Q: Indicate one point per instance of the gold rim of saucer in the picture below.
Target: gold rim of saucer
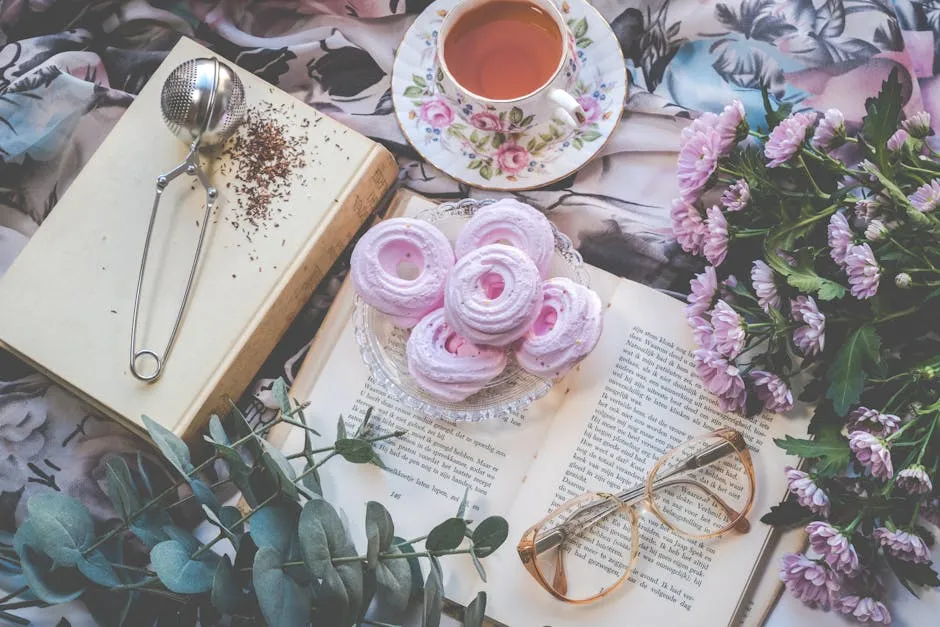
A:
(523, 188)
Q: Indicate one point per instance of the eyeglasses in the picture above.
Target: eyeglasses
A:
(588, 546)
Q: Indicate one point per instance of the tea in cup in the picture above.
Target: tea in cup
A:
(498, 59)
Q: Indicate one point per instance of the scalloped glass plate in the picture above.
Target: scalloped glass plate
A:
(382, 344)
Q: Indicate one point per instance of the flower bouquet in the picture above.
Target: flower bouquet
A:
(823, 245)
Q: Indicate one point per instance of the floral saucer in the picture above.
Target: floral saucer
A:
(506, 152)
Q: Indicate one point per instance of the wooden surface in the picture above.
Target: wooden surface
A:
(68, 297)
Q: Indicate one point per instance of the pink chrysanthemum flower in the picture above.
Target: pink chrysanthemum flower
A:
(721, 378)
(830, 134)
(731, 125)
(927, 197)
(736, 197)
(807, 493)
(762, 278)
(918, 125)
(706, 121)
(840, 238)
(716, 238)
(702, 291)
(902, 545)
(896, 141)
(808, 580)
(831, 545)
(787, 138)
(702, 332)
(863, 270)
(915, 480)
(872, 452)
(729, 330)
(772, 391)
(810, 339)
(864, 609)
(687, 226)
(873, 421)
(697, 161)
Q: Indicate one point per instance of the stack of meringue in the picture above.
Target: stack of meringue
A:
(471, 304)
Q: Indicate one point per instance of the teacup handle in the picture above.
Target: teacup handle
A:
(568, 108)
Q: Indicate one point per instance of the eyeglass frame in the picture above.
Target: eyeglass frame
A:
(626, 500)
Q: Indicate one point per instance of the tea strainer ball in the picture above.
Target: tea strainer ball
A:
(202, 103)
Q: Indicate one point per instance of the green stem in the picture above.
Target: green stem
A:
(235, 524)
(315, 466)
(852, 525)
(418, 539)
(897, 314)
(213, 486)
(903, 428)
(812, 181)
(923, 449)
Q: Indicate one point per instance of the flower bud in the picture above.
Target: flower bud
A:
(918, 125)
(875, 231)
(902, 280)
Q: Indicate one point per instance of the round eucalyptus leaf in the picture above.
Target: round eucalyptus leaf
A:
(281, 395)
(354, 450)
(178, 572)
(120, 485)
(433, 599)
(226, 592)
(98, 569)
(63, 526)
(172, 447)
(379, 531)
(283, 601)
(204, 494)
(473, 615)
(274, 525)
(332, 598)
(489, 535)
(148, 527)
(322, 537)
(52, 585)
(352, 576)
(229, 517)
(447, 535)
(417, 578)
(217, 431)
(393, 577)
(278, 465)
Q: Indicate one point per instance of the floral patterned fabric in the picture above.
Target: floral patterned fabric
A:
(69, 69)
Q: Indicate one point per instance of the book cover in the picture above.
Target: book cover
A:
(294, 186)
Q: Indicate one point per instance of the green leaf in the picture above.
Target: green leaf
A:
(433, 599)
(526, 121)
(217, 431)
(204, 494)
(857, 356)
(447, 535)
(413, 92)
(498, 139)
(516, 116)
(273, 526)
(462, 508)
(479, 566)
(341, 429)
(417, 579)
(584, 42)
(281, 396)
(332, 598)
(63, 526)
(232, 458)
(229, 516)
(774, 116)
(806, 280)
(173, 448)
(473, 615)
(146, 485)
(486, 172)
(226, 593)
(364, 425)
(489, 535)
(828, 447)
(351, 576)
(121, 490)
(911, 574)
(580, 28)
(99, 570)
(393, 577)
(178, 572)
(322, 537)
(379, 531)
(355, 450)
(418, 80)
(283, 601)
(883, 116)
(577, 143)
(311, 479)
(52, 585)
(789, 513)
(274, 460)
(474, 164)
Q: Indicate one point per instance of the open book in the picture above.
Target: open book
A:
(600, 428)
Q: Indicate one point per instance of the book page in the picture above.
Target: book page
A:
(636, 397)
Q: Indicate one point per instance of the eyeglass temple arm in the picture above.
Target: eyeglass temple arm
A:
(548, 540)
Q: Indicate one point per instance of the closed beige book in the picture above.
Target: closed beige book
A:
(66, 303)
(518, 468)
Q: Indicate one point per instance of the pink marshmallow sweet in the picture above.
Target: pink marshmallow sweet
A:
(447, 365)
(511, 222)
(567, 328)
(493, 295)
(386, 252)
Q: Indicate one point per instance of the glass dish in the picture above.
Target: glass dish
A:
(382, 344)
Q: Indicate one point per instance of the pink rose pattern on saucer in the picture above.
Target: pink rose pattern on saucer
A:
(507, 146)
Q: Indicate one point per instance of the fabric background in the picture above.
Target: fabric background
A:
(69, 69)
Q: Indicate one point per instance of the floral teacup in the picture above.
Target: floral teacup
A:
(551, 101)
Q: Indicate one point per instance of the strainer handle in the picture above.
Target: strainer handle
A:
(189, 166)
